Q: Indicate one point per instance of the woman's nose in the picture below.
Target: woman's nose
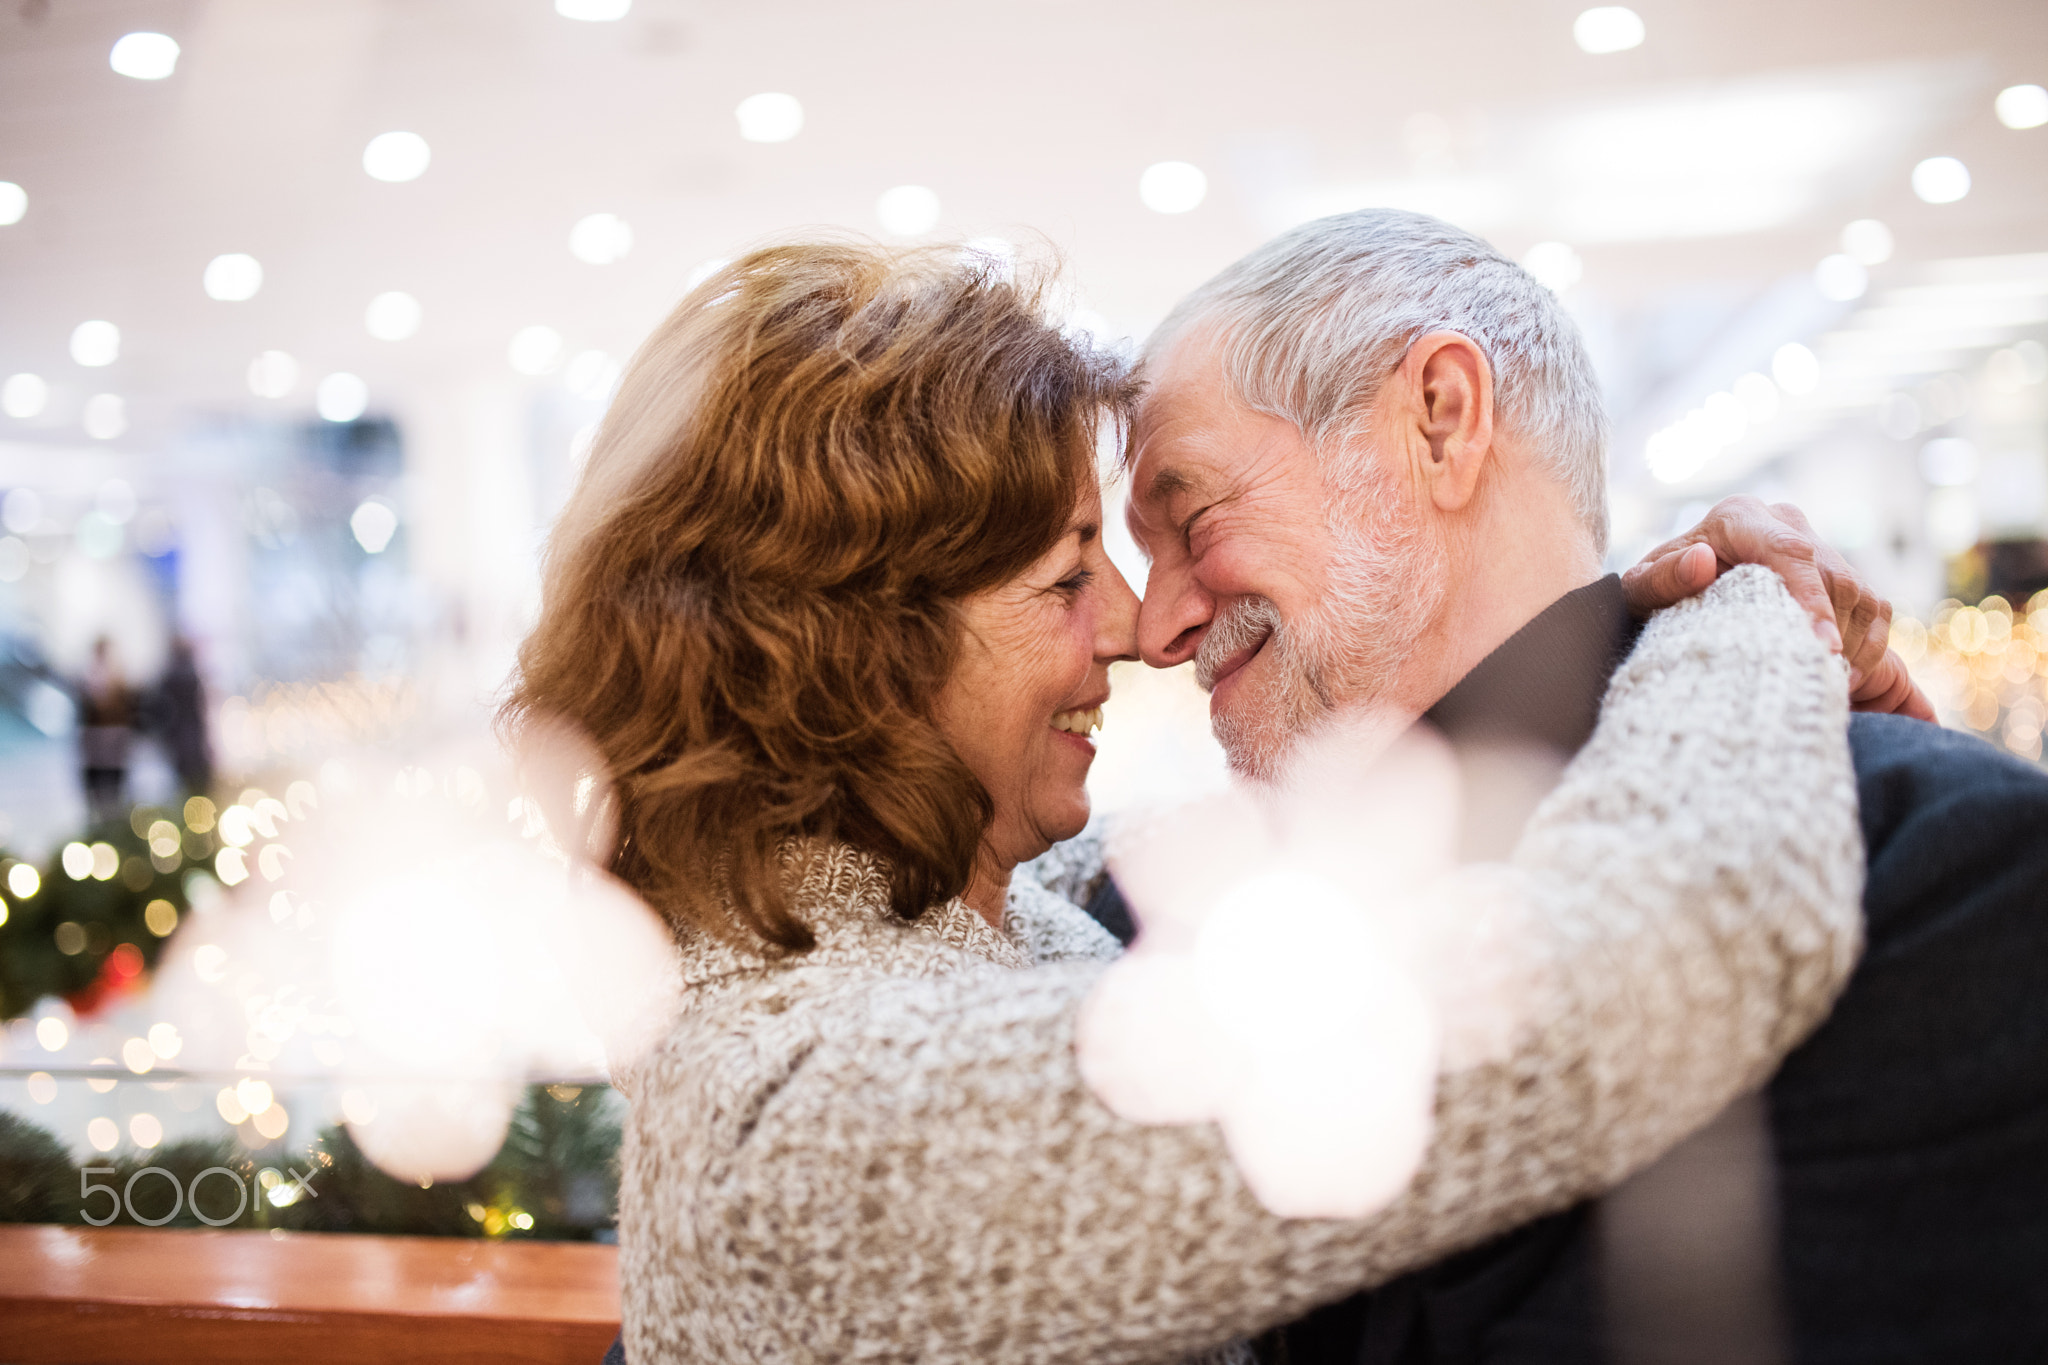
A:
(1116, 629)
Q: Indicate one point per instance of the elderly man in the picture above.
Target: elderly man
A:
(1370, 471)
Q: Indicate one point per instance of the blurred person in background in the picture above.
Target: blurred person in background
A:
(106, 733)
(179, 719)
(831, 604)
(1371, 467)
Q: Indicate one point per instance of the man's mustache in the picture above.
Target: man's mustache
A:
(1239, 626)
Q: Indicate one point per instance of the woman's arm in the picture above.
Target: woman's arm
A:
(841, 1166)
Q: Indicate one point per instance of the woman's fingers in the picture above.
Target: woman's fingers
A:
(1888, 688)
(1848, 615)
(1667, 576)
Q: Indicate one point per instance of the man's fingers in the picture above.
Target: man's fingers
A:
(1668, 578)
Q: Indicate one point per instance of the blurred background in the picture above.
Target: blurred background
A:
(307, 308)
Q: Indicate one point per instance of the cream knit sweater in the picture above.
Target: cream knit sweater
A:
(882, 1151)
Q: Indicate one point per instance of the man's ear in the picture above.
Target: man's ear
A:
(1449, 386)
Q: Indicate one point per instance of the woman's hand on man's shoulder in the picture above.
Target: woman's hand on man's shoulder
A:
(1848, 614)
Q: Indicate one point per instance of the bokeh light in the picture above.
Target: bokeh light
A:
(1796, 368)
(95, 343)
(1867, 242)
(600, 239)
(373, 523)
(1841, 278)
(1941, 180)
(770, 117)
(535, 350)
(1172, 186)
(392, 316)
(105, 416)
(103, 1133)
(1607, 29)
(397, 157)
(908, 210)
(341, 397)
(232, 278)
(1554, 264)
(144, 56)
(24, 395)
(2022, 106)
(13, 203)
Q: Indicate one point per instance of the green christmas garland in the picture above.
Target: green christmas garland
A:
(94, 930)
(555, 1179)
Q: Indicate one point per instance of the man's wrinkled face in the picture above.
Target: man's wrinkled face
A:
(1292, 598)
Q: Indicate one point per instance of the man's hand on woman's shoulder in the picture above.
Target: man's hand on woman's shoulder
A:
(1848, 615)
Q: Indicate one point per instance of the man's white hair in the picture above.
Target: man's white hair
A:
(1312, 323)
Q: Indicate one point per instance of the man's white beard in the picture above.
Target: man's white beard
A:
(1386, 580)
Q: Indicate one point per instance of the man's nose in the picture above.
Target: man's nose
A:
(1172, 617)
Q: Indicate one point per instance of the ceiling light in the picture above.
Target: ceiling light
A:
(105, 417)
(1867, 242)
(591, 375)
(2022, 106)
(144, 56)
(1610, 28)
(1796, 369)
(1172, 186)
(24, 395)
(13, 203)
(373, 523)
(600, 238)
(273, 375)
(392, 316)
(1840, 278)
(908, 210)
(1554, 264)
(397, 157)
(769, 118)
(535, 350)
(593, 11)
(95, 343)
(341, 397)
(233, 278)
(1941, 180)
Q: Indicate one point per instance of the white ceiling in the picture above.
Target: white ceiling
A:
(1724, 153)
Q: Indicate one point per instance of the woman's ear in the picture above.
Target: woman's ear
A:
(1450, 393)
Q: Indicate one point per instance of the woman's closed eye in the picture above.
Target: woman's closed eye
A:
(1076, 581)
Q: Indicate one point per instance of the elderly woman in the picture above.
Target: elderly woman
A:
(832, 603)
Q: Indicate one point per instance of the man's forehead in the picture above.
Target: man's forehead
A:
(1177, 438)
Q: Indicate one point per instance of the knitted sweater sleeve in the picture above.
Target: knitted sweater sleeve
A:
(832, 1165)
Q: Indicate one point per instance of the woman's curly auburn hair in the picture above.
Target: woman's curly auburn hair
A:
(750, 600)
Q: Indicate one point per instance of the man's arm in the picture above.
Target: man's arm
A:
(1848, 615)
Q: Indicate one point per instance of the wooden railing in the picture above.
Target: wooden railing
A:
(130, 1296)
